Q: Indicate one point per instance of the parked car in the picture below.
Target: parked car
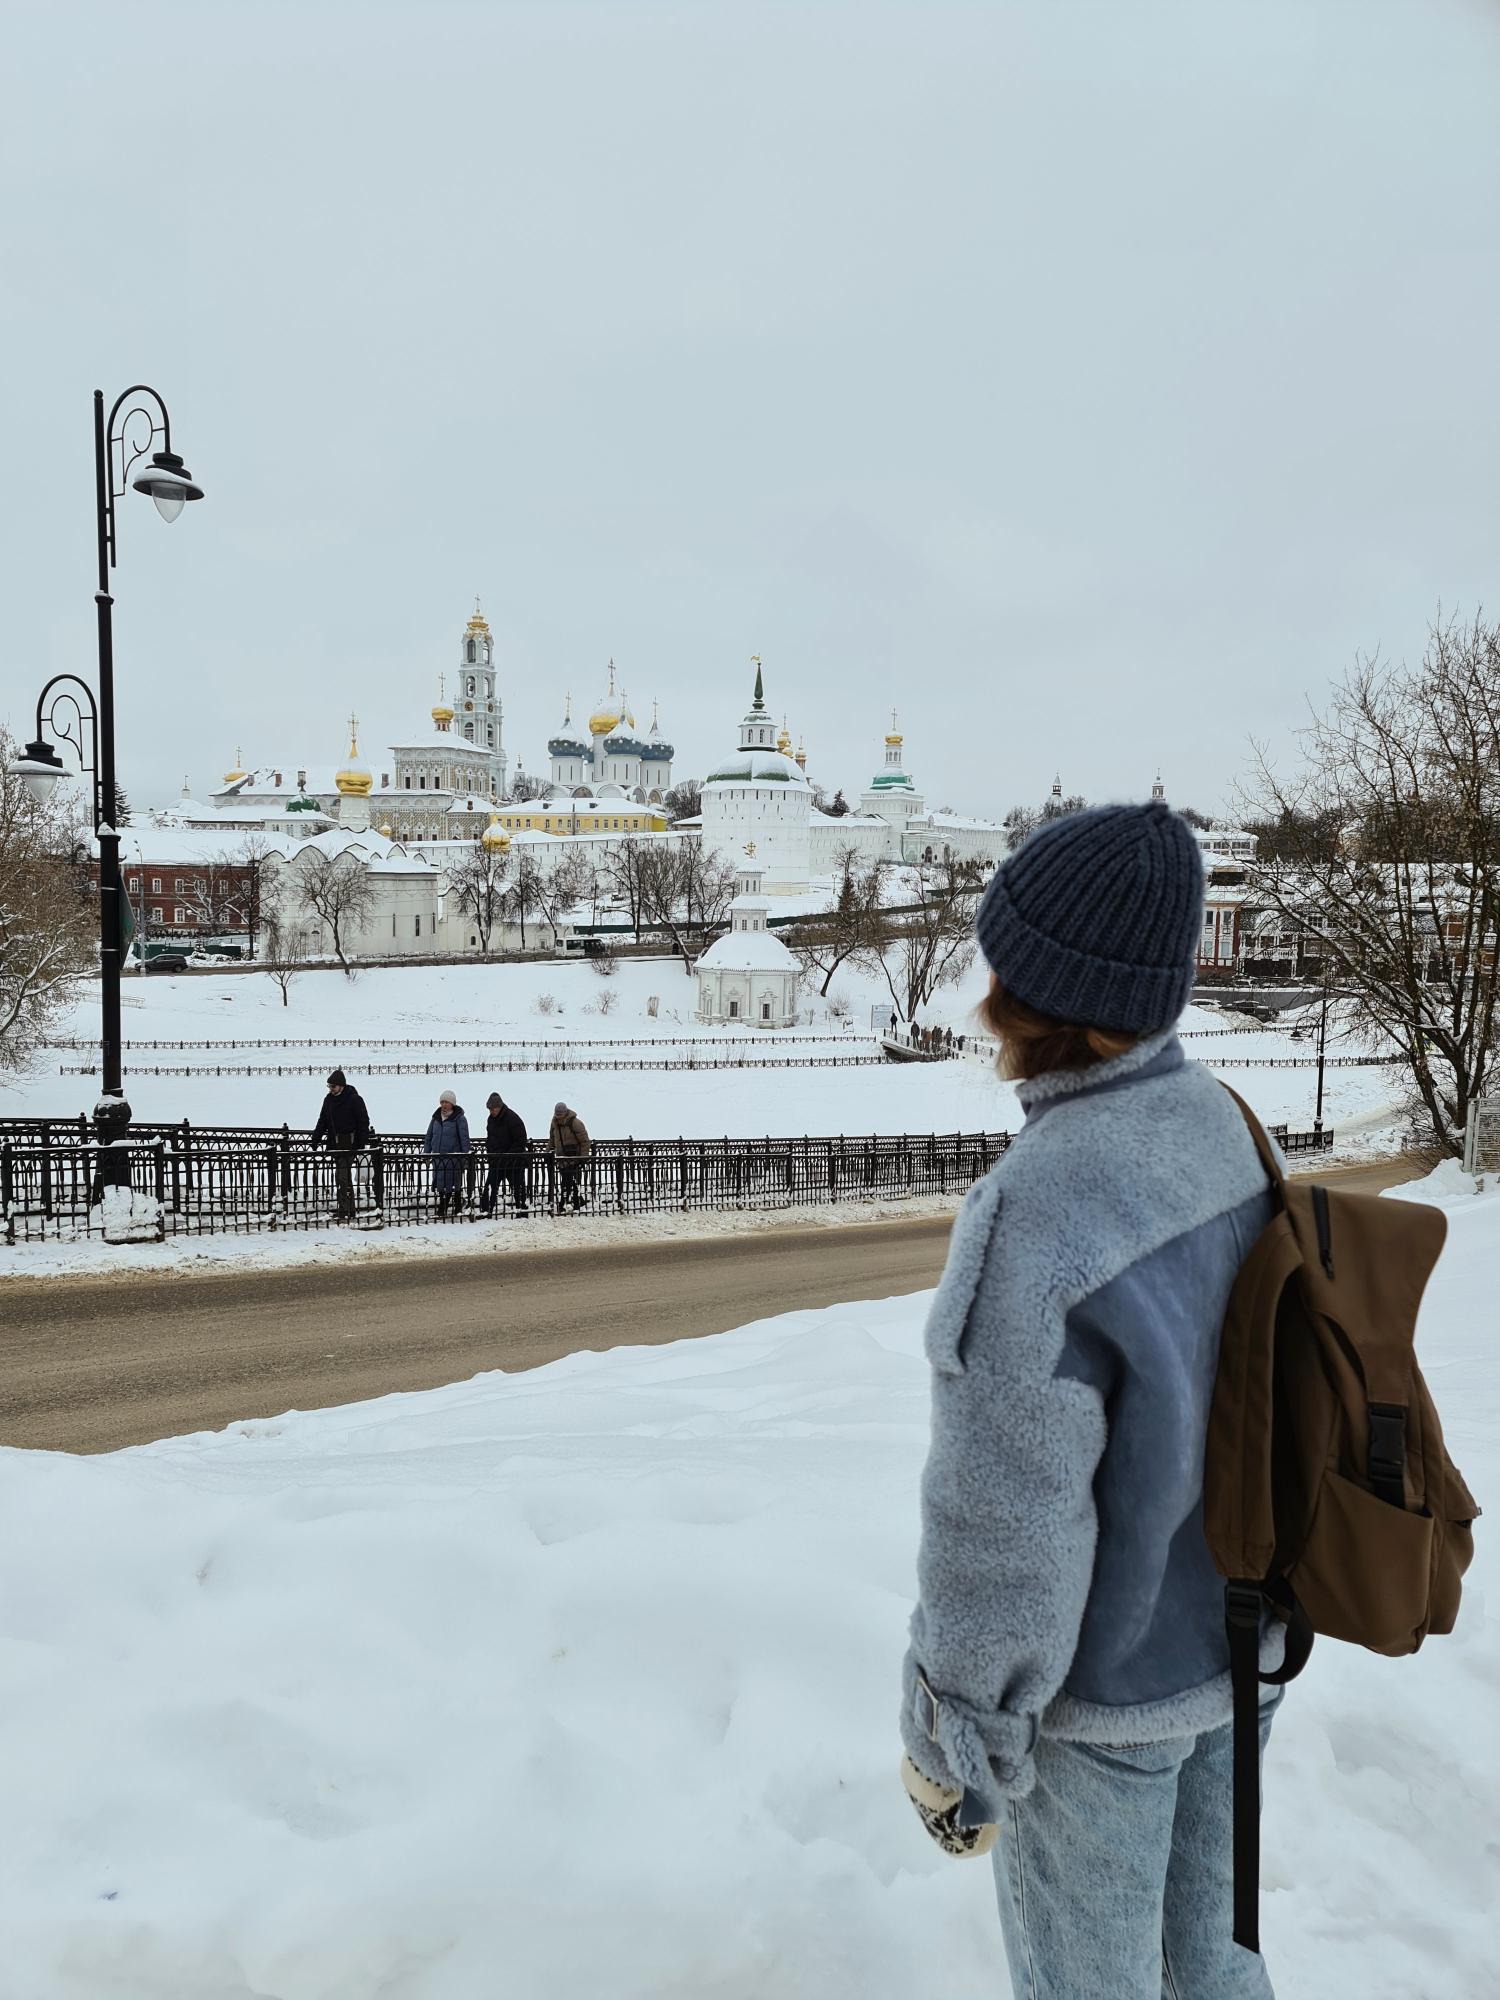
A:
(167, 961)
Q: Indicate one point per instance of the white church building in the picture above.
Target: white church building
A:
(748, 975)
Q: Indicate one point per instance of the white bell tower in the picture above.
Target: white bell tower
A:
(478, 713)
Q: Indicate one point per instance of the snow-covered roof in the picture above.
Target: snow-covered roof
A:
(959, 822)
(848, 819)
(758, 767)
(443, 742)
(747, 951)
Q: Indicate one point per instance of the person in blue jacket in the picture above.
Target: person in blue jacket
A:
(448, 1143)
(1066, 1701)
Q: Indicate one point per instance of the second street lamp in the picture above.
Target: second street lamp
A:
(129, 435)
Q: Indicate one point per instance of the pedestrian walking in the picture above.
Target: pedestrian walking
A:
(447, 1142)
(894, 1024)
(1066, 1702)
(506, 1154)
(344, 1127)
(570, 1146)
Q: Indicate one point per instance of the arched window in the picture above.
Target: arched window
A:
(472, 657)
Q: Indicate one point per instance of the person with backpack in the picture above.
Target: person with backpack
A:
(344, 1127)
(569, 1142)
(1066, 1698)
(447, 1143)
(1117, 1571)
(507, 1152)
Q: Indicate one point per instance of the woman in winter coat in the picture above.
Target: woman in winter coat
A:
(1066, 1697)
(569, 1141)
(447, 1142)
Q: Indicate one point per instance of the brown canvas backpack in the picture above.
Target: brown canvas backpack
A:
(1328, 1497)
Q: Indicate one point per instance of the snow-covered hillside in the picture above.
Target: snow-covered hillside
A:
(582, 1683)
(430, 1005)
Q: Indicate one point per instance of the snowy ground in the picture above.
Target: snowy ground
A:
(582, 1683)
(430, 1004)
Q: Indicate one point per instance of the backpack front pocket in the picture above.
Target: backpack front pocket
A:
(1382, 1605)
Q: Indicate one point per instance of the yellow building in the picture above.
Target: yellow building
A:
(580, 816)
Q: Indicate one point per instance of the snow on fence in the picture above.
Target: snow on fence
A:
(240, 1179)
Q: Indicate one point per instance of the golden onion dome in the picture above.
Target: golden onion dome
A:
(784, 740)
(494, 837)
(604, 720)
(233, 777)
(385, 831)
(353, 780)
(478, 623)
(895, 742)
(442, 715)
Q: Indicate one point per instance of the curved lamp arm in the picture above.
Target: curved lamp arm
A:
(118, 451)
(75, 721)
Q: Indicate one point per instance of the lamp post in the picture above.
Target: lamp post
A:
(121, 441)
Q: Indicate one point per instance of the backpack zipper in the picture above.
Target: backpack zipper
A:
(1325, 1230)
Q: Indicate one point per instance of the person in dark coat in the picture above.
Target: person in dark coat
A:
(344, 1127)
(505, 1146)
(570, 1145)
(447, 1142)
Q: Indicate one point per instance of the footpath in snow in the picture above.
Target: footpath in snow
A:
(582, 1683)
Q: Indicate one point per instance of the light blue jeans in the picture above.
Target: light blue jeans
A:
(1115, 1875)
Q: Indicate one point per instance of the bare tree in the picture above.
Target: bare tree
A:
(524, 787)
(685, 801)
(522, 895)
(478, 885)
(1388, 847)
(854, 926)
(250, 858)
(213, 895)
(686, 891)
(559, 888)
(931, 945)
(283, 951)
(48, 913)
(336, 889)
(1023, 820)
(625, 867)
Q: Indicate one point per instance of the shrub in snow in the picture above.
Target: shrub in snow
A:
(606, 1002)
(606, 964)
(545, 1003)
(838, 1006)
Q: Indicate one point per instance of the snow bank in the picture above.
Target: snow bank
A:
(582, 1683)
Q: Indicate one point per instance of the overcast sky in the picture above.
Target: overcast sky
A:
(1088, 381)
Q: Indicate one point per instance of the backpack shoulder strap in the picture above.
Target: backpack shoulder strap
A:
(1263, 1145)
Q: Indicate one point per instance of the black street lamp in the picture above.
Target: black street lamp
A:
(72, 714)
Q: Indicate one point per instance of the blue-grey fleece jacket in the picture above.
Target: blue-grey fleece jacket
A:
(1065, 1585)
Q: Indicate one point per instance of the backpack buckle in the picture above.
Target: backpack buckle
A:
(1244, 1602)
(1387, 1453)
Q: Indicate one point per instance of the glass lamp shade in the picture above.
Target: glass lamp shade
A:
(39, 769)
(169, 483)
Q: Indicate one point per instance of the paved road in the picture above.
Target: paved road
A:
(93, 1364)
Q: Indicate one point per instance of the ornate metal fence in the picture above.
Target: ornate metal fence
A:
(250, 1181)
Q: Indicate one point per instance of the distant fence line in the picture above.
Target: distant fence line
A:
(247, 1179)
(768, 1037)
(469, 1065)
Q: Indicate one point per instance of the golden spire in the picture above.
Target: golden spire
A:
(478, 623)
(354, 780)
(442, 715)
(232, 777)
(895, 738)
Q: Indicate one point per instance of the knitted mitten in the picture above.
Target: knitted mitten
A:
(937, 1808)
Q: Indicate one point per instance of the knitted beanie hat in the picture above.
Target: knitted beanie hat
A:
(1096, 918)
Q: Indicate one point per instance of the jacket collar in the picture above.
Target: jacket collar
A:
(1153, 1055)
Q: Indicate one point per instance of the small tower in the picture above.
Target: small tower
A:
(352, 782)
(757, 731)
(442, 714)
(1159, 791)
